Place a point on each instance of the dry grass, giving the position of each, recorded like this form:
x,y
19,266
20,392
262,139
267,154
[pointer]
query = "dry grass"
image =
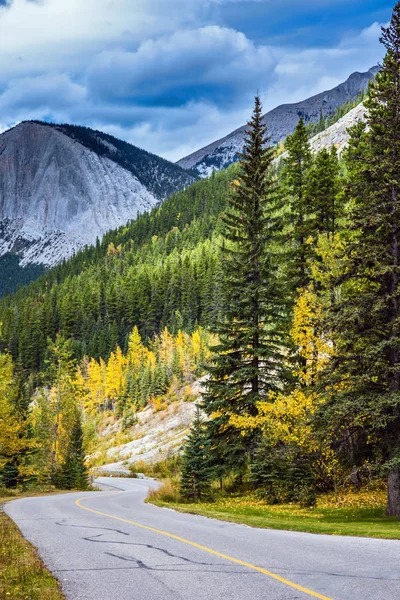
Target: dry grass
x,y
167,492
23,576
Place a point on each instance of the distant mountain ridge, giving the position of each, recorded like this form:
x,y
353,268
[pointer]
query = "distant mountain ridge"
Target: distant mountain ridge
x,y
63,186
281,122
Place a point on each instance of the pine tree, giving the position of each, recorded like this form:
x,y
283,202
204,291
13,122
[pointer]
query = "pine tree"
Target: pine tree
x,y
247,359
295,176
266,472
322,191
15,439
73,473
363,383
283,473
197,472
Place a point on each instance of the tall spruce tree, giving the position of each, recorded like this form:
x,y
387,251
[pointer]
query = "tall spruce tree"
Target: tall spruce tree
x,y
296,170
73,473
322,192
247,360
363,384
197,472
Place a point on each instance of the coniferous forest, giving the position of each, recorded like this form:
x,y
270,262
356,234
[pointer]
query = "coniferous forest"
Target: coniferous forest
x,y
278,279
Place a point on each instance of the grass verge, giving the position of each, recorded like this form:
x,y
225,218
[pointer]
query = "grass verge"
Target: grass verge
x,y
23,576
352,514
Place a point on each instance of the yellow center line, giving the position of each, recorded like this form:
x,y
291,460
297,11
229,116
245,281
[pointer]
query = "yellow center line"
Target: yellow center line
x,y
205,549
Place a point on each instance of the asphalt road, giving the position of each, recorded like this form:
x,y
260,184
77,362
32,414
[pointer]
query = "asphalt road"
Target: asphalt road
x,y
112,546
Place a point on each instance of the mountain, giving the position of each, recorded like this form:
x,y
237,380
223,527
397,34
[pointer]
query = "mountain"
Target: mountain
x,y
161,270
63,186
157,271
281,122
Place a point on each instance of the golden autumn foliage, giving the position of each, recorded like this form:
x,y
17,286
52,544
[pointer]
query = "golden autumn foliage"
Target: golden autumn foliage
x,y
14,440
311,346
54,411
145,373
283,418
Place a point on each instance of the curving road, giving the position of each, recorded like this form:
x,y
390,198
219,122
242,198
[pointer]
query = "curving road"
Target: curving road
x,y
112,546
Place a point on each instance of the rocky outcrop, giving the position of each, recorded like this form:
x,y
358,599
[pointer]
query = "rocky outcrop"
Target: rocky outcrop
x,y
337,134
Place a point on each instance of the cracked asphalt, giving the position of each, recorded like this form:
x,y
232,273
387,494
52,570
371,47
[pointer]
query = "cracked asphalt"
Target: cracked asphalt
x,y
121,557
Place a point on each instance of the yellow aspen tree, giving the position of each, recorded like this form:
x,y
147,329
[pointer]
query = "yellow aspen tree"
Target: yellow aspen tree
x,y
166,350
116,376
13,430
312,346
96,386
135,350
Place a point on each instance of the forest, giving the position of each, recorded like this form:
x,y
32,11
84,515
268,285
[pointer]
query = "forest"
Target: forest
x,y
278,279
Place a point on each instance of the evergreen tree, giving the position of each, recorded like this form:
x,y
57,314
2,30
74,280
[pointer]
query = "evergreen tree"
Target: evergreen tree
x,y
363,383
322,192
283,473
266,471
295,177
300,478
247,360
197,473
73,473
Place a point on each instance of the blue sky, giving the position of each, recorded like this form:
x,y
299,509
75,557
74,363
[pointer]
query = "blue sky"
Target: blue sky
x,y
173,75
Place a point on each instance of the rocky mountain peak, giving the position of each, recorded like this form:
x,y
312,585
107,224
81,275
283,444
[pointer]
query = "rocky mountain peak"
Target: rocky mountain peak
x,y
61,187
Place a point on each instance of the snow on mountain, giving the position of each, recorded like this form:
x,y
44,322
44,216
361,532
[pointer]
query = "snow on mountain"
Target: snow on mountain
x,y
61,187
281,122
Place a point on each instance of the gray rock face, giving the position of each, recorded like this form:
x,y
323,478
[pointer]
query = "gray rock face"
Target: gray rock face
x,y
337,134
57,195
281,122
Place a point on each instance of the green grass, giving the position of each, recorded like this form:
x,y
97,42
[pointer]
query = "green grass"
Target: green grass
x,y
23,576
367,520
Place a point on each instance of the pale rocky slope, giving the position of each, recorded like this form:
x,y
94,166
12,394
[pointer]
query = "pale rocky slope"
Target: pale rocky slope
x,y
158,434
58,195
337,135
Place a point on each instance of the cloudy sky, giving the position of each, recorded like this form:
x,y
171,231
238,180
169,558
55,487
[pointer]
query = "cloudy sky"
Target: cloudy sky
x,y
173,75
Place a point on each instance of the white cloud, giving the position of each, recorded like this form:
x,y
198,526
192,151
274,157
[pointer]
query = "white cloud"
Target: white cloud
x,y
40,93
301,74
166,70
155,72
36,35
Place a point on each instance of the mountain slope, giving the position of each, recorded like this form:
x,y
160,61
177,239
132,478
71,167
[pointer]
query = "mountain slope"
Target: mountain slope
x,y
61,187
178,211
161,270
158,271
281,122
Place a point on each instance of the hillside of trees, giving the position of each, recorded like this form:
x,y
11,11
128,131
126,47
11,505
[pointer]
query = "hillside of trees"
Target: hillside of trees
x,y
14,276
